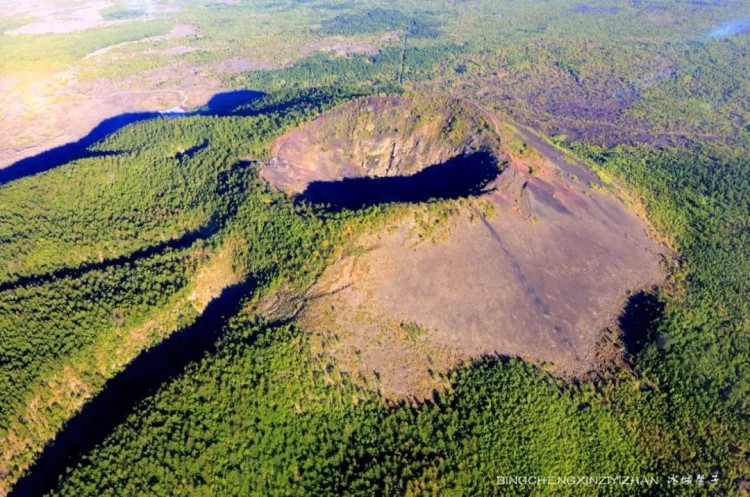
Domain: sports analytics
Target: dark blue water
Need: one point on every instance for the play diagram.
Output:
(221, 104)
(462, 176)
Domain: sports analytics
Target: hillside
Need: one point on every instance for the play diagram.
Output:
(536, 264)
(321, 247)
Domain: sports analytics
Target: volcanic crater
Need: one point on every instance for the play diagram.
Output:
(536, 260)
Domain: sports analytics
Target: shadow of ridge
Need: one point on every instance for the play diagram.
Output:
(303, 101)
(181, 242)
(214, 224)
(221, 104)
(63, 154)
(462, 176)
(226, 103)
(139, 380)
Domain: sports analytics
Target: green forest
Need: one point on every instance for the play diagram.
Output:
(312, 430)
(110, 256)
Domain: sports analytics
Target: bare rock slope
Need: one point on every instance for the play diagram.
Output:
(537, 267)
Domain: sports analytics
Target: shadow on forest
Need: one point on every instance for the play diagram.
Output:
(221, 104)
(461, 176)
(139, 380)
(640, 320)
(227, 103)
(183, 241)
(157, 366)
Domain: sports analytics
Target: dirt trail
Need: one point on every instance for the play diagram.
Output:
(182, 95)
(550, 152)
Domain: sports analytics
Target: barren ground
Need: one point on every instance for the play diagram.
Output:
(39, 115)
(537, 268)
(45, 109)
